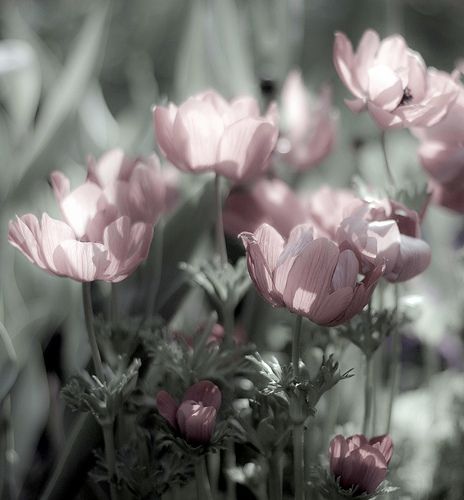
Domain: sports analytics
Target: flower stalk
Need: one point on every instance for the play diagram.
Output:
(202, 481)
(368, 394)
(395, 366)
(220, 238)
(391, 179)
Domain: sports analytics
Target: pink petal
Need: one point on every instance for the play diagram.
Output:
(385, 88)
(196, 422)
(81, 261)
(173, 147)
(309, 279)
(204, 392)
(343, 59)
(384, 444)
(337, 452)
(384, 119)
(356, 105)
(60, 185)
(414, 258)
(393, 52)
(25, 234)
(245, 148)
(365, 55)
(167, 407)
(54, 232)
(108, 167)
(346, 271)
(197, 131)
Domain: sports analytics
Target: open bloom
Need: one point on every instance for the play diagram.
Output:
(309, 124)
(392, 82)
(109, 222)
(386, 232)
(360, 463)
(53, 246)
(115, 186)
(270, 201)
(195, 417)
(441, 153)
(206, 133)
(312, 277)
(327, 207)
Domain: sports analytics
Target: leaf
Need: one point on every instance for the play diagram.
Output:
(8, 364)
(21, 85)
(64, 96)
(182, 233)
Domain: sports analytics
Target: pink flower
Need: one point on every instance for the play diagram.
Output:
(109, 221)
(360, 463)
(270, 201)
(115, 186)
(449, 197)
(53, 246)
(206, 133)
(309, 124)
(327, 207)
(386, 232)
(195, 417)
(441, 153)
(312, 277)
(392, 82)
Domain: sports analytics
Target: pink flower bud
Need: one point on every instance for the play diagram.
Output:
(195, 417)
(358, 463)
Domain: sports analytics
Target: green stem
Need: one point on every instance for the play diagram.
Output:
(110, 456)
(367, 394)
(230, 463)
(395, 366)
(114, 304)
(298, 461)
(296, 346)
(157, 267)
(88, 313)
(202, 481)
(275, 477)
(220, 238)
(214, 467)
(385, 158)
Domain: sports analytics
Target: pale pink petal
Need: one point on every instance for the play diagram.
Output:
(356, 105)
(365, 56)
(25, 234)
(197, 131)
(173, 147)
(60, 185)
(414, 258)
(384, 119)
(54, 232)
(245, 148)
(346, 271)
(343, 59)
(81, 261)
(385, 88)
(108, 167)
(393, 52)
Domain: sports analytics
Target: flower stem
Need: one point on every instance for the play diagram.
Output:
(385, 157)
(230, 463)
(108, 437)
(88, 313)
(395, 365)
(298, 460)
(202, 481)
(114, 304)
(368, 392)
(110, 456)
(157, 267)
(220, 238)
(275, 476)
(296, 346)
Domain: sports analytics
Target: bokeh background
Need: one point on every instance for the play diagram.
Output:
(78, 78)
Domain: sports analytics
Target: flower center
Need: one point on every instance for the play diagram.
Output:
(407, 97)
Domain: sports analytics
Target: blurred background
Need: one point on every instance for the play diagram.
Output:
(79, 78)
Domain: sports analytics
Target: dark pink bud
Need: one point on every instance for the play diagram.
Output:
(359, 463)
(204, 392)
(196, 422)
